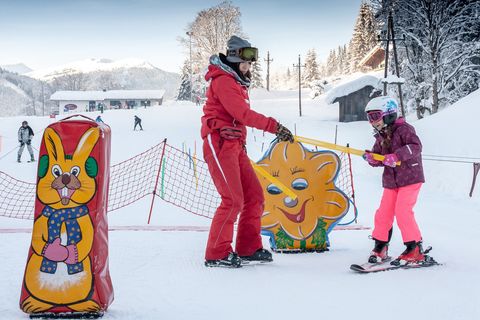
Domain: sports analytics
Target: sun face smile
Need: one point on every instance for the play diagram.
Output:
(311, 175)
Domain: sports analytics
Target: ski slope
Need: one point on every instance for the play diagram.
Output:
(160, 274)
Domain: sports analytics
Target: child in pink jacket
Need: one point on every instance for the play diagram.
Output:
(402, 180)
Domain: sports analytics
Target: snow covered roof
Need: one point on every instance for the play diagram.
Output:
(107, 95)
(77, 95)
(351, 86)
(376, 51)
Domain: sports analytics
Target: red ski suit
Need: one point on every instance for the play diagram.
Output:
(228, 105)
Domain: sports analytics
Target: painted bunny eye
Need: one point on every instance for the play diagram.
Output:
(273, 189)
(299, 184)
(56, 171)
(75, 171)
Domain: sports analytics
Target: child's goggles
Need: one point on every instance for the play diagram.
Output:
(246, 54)
(374, 116)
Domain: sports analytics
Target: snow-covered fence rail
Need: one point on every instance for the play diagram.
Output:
(162, 171)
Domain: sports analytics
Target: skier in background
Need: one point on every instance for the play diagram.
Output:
(227, 113)
(138, 122)
(25, 135)
(398, 141)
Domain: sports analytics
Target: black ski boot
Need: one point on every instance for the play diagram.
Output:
(230, 261)
(379, 252)
(261, 255)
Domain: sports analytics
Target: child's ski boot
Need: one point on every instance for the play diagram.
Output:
(379, 253)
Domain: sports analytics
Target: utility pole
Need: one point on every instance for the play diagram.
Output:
(268, 60)
(391, 37)
(43, 99)
(299, 66)
(190, 34)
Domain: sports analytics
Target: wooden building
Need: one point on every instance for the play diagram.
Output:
(353, 96)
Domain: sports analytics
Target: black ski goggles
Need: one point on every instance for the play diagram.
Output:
(249, 54)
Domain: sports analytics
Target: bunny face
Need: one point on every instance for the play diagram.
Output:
(67, 181)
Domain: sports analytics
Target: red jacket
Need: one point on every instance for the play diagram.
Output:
(228, 104)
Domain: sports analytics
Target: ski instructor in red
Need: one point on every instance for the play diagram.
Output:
(227, 113)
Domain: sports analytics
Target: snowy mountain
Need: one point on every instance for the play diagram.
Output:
(22, 95)
(88, 66)
(19, 68)
(98, 74)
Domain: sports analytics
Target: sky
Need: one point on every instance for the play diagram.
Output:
(48, 33)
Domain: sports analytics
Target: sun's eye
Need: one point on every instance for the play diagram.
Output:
(299, 184)
(75, 171)
(273, 189)
(56, 171)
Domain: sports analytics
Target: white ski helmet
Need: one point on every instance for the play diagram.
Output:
(387, 105)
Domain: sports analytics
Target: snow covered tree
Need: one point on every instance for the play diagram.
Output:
(311, 72)
(256, 70)
(364, 36)
(185, 90)
(210, 31)
(441, 62)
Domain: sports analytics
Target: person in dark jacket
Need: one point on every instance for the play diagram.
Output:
(25, 135)
(402, 179)
(138, 122)
(227, 113)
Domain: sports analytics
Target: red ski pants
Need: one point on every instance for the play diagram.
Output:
(241, 193)
(398, 203)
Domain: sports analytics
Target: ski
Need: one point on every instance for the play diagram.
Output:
(67, 315)
(394, 265)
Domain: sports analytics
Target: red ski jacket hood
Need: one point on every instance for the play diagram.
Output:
(228, 103)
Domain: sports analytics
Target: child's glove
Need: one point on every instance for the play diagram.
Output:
(283, 134)
(230, 133)
(55, 251)
(368, 156)
(390, 160)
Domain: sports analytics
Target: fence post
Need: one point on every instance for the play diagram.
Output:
(476, 168)
(156, 181)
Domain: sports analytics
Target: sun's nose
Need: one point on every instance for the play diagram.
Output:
(289, 202)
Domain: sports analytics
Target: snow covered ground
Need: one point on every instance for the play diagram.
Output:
(160, 274)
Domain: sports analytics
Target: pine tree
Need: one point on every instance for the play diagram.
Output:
(185, 90)
(311, 72)
(256, 81)
(363, 39)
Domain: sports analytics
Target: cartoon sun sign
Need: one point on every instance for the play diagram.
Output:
(302, 223)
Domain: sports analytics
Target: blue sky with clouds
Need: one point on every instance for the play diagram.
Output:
(47, 33)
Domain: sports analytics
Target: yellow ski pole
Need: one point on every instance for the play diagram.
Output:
(333, 146)
(273, 180)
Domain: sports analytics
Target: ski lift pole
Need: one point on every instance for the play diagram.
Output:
(336, 147)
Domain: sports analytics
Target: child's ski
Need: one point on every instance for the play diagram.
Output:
(394, 265)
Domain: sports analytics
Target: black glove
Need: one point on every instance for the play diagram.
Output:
(283, 134)
(21, 142)
(29, 141)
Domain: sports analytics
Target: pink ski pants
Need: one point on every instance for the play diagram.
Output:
(398, 203)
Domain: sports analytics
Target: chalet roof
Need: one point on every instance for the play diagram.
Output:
(351, 86)
(372, 54)
(107, 95)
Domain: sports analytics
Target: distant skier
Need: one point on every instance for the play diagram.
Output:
(398, 141)
(138, 122)
(227, 113)
(99, 119)
(25, 135)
